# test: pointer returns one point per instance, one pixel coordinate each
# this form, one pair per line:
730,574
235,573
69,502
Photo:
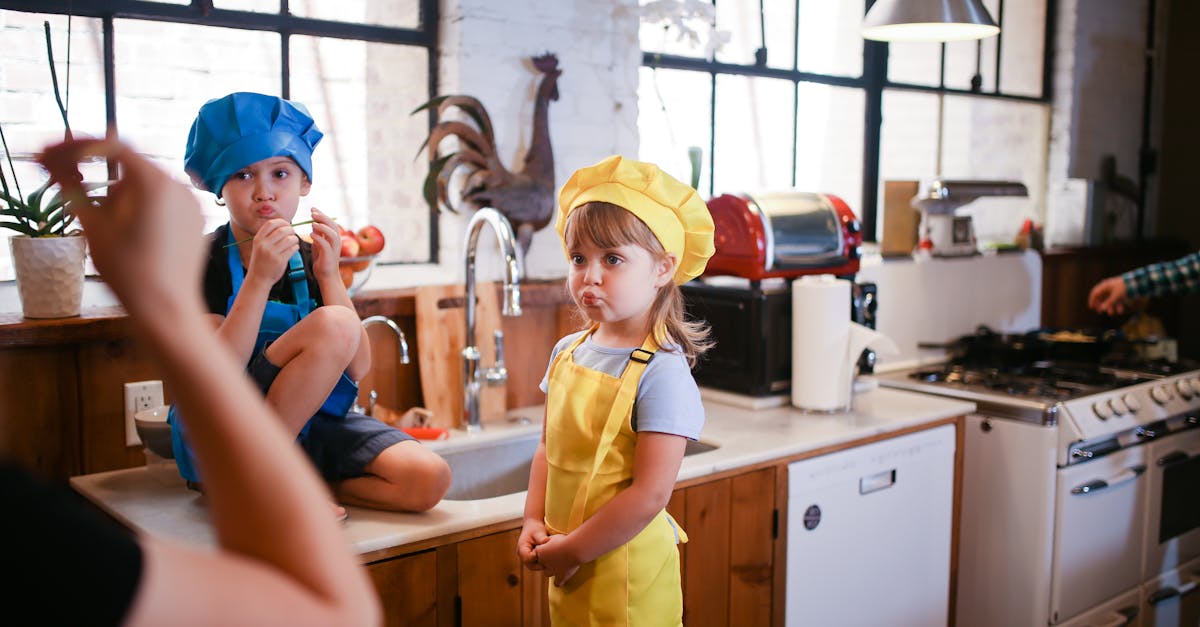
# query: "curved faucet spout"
473,375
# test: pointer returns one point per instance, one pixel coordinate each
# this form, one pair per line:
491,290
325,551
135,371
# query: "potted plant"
47,257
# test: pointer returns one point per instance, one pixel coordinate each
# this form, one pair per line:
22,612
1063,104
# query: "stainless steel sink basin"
501,466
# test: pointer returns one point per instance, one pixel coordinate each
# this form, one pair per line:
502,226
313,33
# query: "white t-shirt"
667,400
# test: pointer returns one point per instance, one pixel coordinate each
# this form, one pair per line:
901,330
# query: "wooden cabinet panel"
39,424
407,589
705,584
489,580
751,547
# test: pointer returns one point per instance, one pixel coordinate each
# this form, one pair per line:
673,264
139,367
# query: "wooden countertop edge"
371,557
112,323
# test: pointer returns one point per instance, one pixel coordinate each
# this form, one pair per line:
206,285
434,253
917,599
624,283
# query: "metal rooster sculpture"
524,196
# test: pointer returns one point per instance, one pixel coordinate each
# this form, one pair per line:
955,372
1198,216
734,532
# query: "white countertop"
153,499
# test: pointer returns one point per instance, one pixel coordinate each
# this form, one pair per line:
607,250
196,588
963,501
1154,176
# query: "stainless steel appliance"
783,235
1080,484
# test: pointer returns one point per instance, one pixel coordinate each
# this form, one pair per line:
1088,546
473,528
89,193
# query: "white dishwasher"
869,532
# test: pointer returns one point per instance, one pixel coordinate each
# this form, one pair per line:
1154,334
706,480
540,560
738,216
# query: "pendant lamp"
928,20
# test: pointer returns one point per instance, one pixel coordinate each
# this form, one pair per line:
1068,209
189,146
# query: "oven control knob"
1118,406
1132,403
1102,410
1185,388
1161,394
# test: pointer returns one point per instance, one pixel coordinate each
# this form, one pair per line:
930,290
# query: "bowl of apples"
358,253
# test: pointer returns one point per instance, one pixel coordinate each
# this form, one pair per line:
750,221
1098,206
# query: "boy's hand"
533,533
274,243
326,246
556,560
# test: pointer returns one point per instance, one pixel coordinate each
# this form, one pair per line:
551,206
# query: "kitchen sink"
497,467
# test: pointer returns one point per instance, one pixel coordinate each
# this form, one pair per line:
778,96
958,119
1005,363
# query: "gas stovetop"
1091,405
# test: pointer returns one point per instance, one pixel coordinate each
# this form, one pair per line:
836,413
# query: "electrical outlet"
139,395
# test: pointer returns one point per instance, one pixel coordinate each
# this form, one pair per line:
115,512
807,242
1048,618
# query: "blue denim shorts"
339,446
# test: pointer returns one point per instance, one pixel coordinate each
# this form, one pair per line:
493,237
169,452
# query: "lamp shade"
928,20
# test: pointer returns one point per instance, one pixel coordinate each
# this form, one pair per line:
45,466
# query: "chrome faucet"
472,371
401,343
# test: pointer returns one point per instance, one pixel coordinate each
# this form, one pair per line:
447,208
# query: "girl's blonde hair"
608,226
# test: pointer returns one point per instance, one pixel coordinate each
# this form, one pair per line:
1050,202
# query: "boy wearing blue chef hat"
280,304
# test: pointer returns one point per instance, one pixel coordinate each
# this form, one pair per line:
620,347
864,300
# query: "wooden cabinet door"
489,580
728,563
407,588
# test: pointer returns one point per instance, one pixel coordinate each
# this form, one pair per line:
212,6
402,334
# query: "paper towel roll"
820,333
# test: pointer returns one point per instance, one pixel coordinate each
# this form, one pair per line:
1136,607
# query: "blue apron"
277,318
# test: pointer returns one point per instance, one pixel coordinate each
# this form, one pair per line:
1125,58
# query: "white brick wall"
485,47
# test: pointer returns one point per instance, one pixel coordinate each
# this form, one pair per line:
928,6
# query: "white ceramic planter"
49,275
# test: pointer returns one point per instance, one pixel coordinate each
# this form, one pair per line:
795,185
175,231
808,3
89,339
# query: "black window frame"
873,81
203,13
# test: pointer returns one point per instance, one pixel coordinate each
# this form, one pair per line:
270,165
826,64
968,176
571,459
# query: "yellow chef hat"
673,211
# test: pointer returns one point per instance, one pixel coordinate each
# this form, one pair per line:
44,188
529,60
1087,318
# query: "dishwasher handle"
1096,485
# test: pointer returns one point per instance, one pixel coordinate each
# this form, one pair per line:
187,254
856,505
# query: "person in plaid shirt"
1181,276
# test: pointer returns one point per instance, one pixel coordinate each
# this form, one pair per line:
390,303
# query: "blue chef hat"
242,128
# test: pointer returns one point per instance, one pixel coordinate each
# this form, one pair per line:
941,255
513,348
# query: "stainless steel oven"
1079,486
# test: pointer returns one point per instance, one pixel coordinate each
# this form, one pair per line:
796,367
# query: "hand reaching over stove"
1168,278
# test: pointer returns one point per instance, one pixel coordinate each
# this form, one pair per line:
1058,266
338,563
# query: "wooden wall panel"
104,368
39,423
398,385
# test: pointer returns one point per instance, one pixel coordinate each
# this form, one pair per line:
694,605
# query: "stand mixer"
942,231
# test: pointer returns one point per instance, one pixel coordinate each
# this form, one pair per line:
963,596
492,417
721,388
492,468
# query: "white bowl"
155,431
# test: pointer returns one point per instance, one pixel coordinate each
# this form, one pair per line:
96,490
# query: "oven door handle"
1172,458
1125,476
1121,617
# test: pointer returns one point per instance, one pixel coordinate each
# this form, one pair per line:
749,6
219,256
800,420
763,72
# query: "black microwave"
751,325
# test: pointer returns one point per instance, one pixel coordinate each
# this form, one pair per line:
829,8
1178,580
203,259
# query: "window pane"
829,141
1022,49
740,19
664,36
28,111
397,13
983,138
364,170
961,57
914,63
746,26
674,114
753,134
257,6
165,72
829,40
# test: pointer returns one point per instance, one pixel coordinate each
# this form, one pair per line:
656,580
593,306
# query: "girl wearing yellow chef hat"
621,402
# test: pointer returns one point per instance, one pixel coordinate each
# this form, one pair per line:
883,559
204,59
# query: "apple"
350,246
347,275
370,240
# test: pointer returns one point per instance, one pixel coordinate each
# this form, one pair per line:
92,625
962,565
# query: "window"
359,66
797,98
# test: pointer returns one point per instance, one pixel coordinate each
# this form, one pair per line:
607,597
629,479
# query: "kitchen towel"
826,345
820,332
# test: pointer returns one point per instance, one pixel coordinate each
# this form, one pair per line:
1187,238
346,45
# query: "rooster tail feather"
474,109
430,188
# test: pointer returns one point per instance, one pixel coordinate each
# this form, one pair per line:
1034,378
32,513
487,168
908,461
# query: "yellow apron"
589,458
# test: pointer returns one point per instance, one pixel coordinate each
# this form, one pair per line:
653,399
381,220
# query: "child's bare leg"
311,356
405,477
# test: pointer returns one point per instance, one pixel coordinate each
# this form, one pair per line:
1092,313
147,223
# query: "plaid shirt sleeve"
1181,276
